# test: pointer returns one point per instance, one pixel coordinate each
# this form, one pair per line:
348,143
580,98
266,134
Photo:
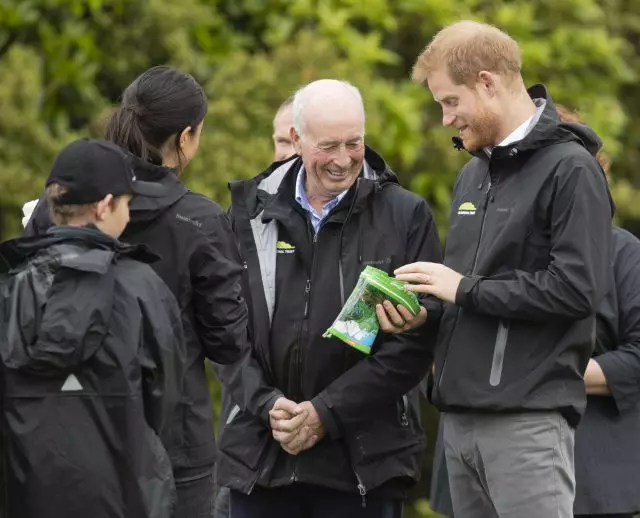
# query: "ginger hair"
467,48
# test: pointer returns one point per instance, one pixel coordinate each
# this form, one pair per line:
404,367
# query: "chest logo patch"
282,247
467,209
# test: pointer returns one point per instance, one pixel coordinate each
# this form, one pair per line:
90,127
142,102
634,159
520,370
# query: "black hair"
158,105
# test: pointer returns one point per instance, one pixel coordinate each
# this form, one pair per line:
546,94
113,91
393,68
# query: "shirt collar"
301,195
521,131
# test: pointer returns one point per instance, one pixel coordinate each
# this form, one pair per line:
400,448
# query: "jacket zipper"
307,301
473,269
484,218
307,292
304,332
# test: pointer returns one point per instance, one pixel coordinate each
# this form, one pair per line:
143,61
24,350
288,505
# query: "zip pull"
361,489
307,291
363,494
404,420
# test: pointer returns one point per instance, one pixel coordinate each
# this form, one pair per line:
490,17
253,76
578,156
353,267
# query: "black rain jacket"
296,283
530,230
92,366
200,263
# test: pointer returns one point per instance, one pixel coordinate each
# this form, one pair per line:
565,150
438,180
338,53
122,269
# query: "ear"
103,206
295,139
487,83
185,135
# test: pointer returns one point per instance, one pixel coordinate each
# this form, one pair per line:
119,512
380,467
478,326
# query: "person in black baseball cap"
92,182
92,352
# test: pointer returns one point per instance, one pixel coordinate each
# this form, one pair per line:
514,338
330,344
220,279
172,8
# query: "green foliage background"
63,64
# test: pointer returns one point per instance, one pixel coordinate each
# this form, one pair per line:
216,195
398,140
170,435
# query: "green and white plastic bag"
357,324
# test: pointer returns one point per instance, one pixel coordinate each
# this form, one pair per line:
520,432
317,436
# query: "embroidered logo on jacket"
194,222
282,247
467,209
377,262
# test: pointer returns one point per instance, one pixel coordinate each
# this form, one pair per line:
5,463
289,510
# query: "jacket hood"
254,193
59,302
585,135
592,143
547,131
15,252
374,168
143,208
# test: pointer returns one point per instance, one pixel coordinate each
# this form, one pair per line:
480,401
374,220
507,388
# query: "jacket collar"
15,251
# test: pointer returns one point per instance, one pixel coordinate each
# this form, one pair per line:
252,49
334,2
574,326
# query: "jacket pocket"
385,451
499,348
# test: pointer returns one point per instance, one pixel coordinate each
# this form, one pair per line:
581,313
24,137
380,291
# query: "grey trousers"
510,465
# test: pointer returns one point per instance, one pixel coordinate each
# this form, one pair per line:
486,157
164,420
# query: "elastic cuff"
326,416
463,293
269,405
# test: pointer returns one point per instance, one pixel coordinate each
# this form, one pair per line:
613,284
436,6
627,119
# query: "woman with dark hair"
160,121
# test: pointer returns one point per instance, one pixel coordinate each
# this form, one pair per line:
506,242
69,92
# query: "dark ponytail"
155,109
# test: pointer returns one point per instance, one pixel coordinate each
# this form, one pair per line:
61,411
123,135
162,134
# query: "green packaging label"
357,324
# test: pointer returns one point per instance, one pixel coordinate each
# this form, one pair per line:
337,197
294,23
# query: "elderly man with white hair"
341,434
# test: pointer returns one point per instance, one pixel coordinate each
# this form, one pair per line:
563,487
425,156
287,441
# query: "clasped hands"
296,426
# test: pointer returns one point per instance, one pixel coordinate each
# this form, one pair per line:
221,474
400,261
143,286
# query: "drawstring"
340,272
359,240
341,282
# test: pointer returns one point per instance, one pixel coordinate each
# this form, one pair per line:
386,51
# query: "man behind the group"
92,352
524,272
336,433
282,124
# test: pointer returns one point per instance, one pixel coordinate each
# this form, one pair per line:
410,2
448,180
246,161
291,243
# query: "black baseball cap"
92,169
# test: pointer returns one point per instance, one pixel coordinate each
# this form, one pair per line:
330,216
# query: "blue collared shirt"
301,198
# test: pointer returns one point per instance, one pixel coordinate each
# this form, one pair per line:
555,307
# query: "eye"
329,148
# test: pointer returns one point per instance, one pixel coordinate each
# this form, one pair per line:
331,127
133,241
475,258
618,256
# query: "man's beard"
482,131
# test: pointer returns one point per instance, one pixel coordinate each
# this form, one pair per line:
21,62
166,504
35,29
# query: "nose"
342,159
447,119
